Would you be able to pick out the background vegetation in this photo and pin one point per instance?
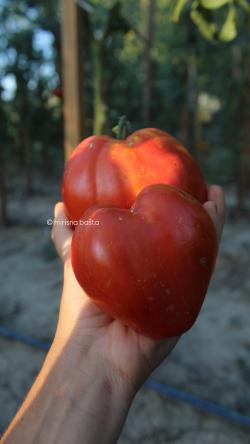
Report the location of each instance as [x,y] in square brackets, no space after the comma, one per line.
[180,65]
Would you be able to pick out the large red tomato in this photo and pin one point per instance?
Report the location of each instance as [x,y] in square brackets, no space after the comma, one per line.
[106,171]
[149,266]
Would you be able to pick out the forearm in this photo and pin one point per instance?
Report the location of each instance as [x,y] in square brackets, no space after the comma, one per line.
[72,401]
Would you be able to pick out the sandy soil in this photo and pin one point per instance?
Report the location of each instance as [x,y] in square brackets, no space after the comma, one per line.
[212,360]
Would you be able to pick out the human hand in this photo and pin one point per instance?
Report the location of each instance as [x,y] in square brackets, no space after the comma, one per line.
[125,354]
[95,364]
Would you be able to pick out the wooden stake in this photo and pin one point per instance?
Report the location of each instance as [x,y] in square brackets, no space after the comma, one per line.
[72,61]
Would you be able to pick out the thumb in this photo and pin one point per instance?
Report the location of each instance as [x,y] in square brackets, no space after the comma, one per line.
[61,232]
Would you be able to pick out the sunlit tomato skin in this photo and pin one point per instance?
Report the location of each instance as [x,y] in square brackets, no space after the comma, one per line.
[149,266]
[106,171]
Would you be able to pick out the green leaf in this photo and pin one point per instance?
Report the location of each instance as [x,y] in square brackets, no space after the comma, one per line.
[84,4]
[178,7]
[206,29]
[245,5]
[104,3]
[213,4]
[228,31]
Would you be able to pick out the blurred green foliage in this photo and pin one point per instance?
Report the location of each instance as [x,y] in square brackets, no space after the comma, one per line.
[200,51]
[215,19]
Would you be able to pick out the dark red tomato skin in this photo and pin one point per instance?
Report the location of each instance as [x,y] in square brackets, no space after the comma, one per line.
[149,266]
[106,171]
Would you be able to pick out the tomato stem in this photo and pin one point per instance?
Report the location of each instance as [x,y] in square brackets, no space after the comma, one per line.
[121,130]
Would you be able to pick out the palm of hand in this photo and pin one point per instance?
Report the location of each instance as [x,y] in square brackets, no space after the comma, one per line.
[128,354]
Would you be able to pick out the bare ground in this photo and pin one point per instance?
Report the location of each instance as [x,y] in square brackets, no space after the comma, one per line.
[211,361]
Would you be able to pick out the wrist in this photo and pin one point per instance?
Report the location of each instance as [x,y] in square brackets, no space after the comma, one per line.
[73,398]
[76,360]
[90,387]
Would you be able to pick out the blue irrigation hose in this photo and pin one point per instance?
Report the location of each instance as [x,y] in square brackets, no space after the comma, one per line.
[162,389]
[20,337]
[199,403]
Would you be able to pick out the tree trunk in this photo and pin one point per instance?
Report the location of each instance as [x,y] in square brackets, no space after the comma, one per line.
[184,114]
[27,150]
[3,197]
[244,155]
[192,92]
[46,158]
[100,107]
[28,166]
[147,62]
[243,173]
